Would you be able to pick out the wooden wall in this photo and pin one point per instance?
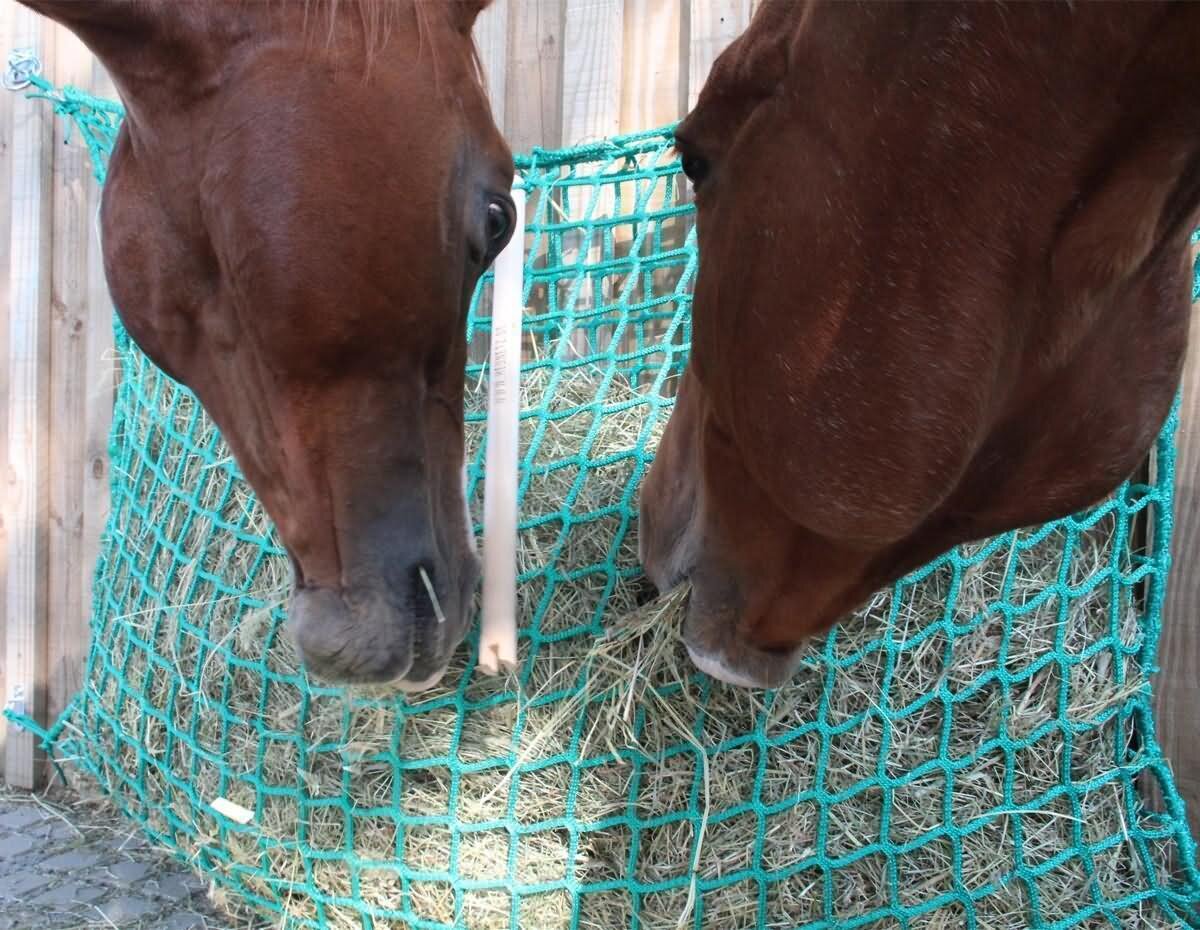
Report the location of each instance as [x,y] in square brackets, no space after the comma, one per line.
[1177,688]
[563,72]
[56,401]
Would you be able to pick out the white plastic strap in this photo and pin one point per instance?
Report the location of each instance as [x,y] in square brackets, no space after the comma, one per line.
[498,627]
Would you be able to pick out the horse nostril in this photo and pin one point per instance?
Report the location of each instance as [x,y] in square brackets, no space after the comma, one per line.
[644,591]
[696,168]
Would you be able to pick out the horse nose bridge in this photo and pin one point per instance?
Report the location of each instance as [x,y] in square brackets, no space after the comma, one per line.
[345,523]
[370,485]
[382,524]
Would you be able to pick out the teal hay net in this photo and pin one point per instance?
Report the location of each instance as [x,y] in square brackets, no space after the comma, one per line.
[973,749]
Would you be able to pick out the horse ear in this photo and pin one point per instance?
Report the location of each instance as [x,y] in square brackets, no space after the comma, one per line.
[107,27]
[463,13]
[96,19]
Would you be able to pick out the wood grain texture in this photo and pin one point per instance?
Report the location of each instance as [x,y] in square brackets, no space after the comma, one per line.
[6,126]
[1177,687]
[653,87]
[491,38]
[591,83]
[533,78]
[99,381]
[591,107]
[713,25]
[70,231]
[652,65]
[28,408]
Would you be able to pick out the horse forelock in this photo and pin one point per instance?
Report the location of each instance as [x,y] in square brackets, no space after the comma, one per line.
[377,21]
[423,8]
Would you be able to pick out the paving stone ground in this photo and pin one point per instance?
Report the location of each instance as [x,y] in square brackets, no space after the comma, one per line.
[71,864]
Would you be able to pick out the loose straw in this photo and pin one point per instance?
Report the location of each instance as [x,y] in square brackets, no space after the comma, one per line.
[498,633]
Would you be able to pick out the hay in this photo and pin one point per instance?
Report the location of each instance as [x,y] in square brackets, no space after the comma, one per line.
[320,769]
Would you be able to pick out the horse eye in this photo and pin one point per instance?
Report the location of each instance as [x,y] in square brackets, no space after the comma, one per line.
[499,223]
[696,168]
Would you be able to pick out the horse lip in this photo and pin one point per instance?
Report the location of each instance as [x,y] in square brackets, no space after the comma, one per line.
[348,640]
[415,687]
[714,667]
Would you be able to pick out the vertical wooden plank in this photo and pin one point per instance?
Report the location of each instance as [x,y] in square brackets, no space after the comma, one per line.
[99,378]
[6,115]
[591,85]
[591,110]
[533,79]
[651,63]
[1177,687]
[491,38]
[714,24]
[28,409]
[653,93]
[67,623]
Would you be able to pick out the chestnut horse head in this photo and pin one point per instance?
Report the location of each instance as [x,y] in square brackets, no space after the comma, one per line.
[301,201]
[942,294]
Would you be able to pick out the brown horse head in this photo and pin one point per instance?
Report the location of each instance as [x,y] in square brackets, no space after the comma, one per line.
[942,295]
[301,201]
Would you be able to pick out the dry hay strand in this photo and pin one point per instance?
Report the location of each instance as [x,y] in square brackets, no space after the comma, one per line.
[406,805]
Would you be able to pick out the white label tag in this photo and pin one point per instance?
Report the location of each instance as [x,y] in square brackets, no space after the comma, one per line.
[232,811]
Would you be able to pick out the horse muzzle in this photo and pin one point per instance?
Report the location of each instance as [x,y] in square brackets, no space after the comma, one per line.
[400,632]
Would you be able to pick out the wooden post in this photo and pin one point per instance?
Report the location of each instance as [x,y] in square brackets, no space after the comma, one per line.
[99,380]
[653,93]
[714,24]
[491,38]
[6,110]
[28,410]
[591,82]
[652,64]
[533,96]
[591,111]
[1177,687]
[67,633]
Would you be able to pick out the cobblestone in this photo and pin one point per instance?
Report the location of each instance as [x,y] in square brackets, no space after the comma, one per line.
[184,921]
[129,871]
[174,888]
[14,818]
[24,882]
[70,861]
[62,897]
[14,845]
[69,864]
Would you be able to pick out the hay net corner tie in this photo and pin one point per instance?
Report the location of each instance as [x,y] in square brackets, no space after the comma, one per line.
[973,749]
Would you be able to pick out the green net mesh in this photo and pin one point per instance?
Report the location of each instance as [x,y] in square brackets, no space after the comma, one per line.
[973,749]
